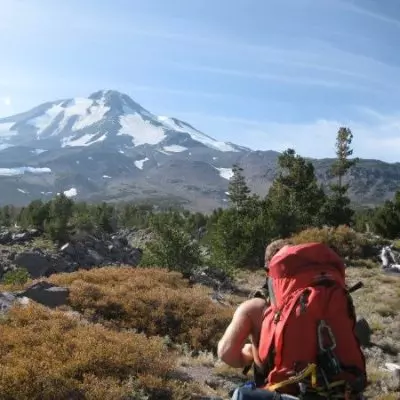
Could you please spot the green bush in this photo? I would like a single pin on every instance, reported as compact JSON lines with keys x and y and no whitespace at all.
{"x":346,"y":241}
{"x":16,"y":277}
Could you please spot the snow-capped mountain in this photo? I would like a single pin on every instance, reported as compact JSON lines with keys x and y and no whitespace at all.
{"x":107,"y":147}
{"x":107,"y":117}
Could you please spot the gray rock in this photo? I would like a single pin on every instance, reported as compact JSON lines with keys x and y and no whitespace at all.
{"x":68,"y":249}
{"x":93,"y":257}
{"x":47,"y":294}
{"x":5,"y":237}
{"x":7,"y":299}
{"x":36,"y":264}
{"x":212,"y":277}
{"x":20,"y":237}
{"x":82,"y":251}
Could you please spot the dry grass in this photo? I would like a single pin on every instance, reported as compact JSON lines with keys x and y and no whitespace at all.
{"x":379,"y":303}
{"x":48,"y":355}
{"x":153,"y":301}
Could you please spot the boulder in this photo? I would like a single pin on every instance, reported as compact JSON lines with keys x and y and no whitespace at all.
{"x":92,"y":258}
{"x":5,"y":237}
{"x":68,"y":249}
{"x":35,"y":263}
{"x":212,"y":277}
{"x":47,"y":294}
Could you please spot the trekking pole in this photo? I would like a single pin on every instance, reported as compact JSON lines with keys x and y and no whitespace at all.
{"x":355,"y":287}
{"x":246,"y":369}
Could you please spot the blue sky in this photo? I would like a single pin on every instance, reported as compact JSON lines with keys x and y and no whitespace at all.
{"x":268,"y":74}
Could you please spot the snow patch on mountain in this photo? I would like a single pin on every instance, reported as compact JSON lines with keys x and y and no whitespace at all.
{"x":42,"y":122}
{"x":141,"y":131}
{"x":84,"y":140}
{"x":92,"y":115}
{"x":175,"y":148}
{"x":225,"y":173}
{"x":23,"y":170}
{"x":71,"y":192}
{"x":85,"y":111}
{"x":196,"y":135}
{"x":38,"y":151}
{"x":139,"y":163}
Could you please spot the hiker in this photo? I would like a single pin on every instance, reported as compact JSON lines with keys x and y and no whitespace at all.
{"x":303,"y":341}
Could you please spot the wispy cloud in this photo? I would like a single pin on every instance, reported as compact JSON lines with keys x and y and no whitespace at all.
{"x":180,"y":92}
{"x":351,"y":6}
{"x":287,"y":78}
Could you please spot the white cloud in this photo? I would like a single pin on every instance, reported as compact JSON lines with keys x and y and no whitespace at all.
{"x":378,"y":140}
{"x":376,"y":135}
{"x":7,"y":101}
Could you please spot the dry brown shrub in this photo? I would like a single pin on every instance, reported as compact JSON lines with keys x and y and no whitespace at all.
{"x":47,"y":355}
{"x":150,"y":300}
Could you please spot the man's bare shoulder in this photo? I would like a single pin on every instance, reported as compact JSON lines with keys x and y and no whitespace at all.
{"x":252,"y":306}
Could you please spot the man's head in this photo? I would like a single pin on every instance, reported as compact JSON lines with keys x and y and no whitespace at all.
{"x":273,"y":248}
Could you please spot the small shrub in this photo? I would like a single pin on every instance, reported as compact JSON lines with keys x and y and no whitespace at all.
{"x":149,"y":300}
{"x":17,"y":277}
{"x":347,"y":242}
{"x":174,"y":249}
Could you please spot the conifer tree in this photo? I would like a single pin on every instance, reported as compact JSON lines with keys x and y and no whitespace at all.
{"x":337,"y":210}
{"x":238,"y":189}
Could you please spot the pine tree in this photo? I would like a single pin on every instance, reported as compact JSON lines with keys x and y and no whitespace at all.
{"x":343,"y":151}
{"x":60,"y":213}
{"x":295,"y":196}
{"x":337,"y":210}
{"x":238,"y":189}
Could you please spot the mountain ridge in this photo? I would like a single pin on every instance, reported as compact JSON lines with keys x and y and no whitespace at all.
{"x":108,"y":147}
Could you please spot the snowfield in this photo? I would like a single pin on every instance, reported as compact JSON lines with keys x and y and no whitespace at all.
{"x":23,"y":170}
{"x":139,"y":163}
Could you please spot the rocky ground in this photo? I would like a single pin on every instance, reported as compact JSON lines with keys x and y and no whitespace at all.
{"x":40,"y":257}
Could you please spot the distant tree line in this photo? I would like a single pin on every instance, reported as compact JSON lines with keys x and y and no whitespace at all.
{"x":229,"y":238}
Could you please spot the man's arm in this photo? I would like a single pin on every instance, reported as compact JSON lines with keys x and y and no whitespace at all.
{"x":231,"y":344}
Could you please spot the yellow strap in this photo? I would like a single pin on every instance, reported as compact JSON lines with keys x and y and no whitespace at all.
{"x":310,"y":370}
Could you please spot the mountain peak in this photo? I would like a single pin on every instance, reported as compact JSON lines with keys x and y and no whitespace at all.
{"x":107,"y":116}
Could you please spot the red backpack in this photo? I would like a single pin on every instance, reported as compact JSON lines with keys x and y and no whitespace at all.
{"x":308,"y":342}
